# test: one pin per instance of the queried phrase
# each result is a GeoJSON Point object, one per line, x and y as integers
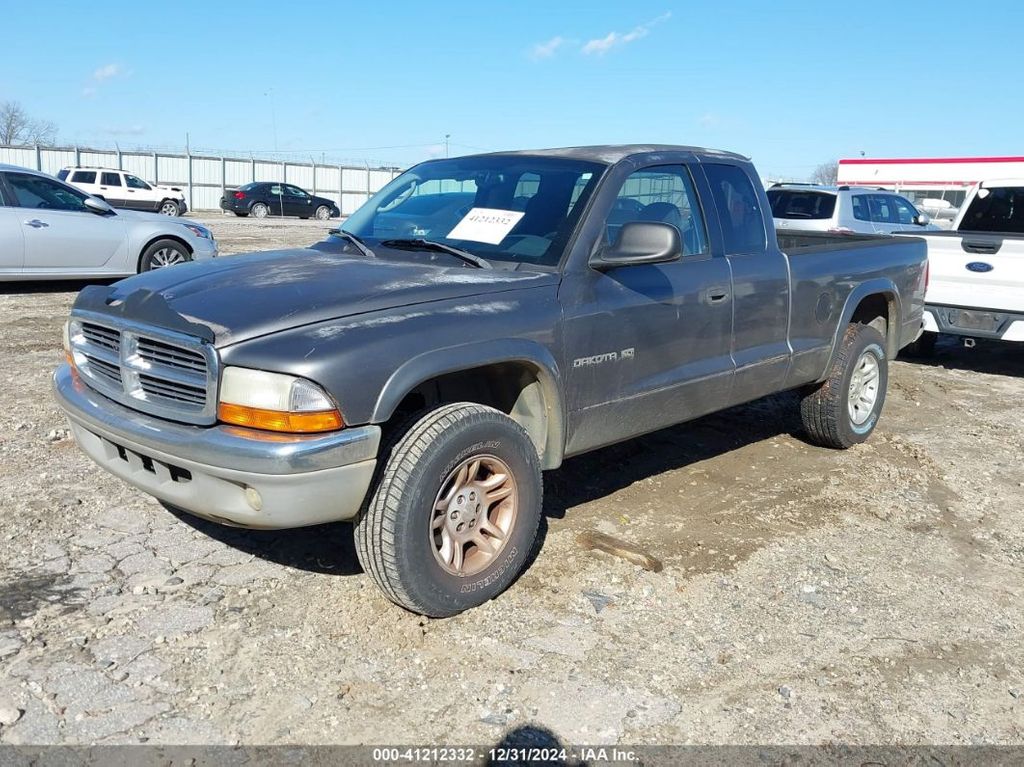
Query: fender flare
{"type": "Point", "coordinates": [879, 286]}
{"type": "Point", "coordinates": [432, 364]}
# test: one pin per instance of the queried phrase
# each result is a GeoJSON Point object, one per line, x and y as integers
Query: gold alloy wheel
{"type": "Point", "coordinates": [473, 515]}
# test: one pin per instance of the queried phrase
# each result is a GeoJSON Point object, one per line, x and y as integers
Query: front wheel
{"type": "Point", "coordinates": [163, 253]}
{"type": "Point", "coordinates": [323, 213]}
{"type": "Point", "coordinates": [455, 512]}
{"type": "Point", "coordinates": [843, 410]}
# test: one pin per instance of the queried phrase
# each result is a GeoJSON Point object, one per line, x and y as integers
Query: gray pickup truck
{"type": "Point", "coordinates": [478, 321]}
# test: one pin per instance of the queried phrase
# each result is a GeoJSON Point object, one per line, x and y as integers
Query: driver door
{"type": "Point", "coordinates": [648, 345]}
{"type": "Point", "coordinates": [60, 233]}
{"type": "Point", "coordinates": [297, 202]}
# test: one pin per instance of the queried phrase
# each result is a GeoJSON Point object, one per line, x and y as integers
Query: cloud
{"type": "Point", "coordinates": [547, 49]}
{"type": "Point", "coordinates": [709, 120]}
{"type": "Point", "coordinates": [127, 130]}
{"type": "Point", "coordinates": [102, 75]}
{"type": "Point", "coordinates": [106, 72]}
{"type": "Point", "coordinates": [599, 46]}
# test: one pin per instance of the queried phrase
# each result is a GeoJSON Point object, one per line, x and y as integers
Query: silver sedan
{"type": "Point", "coordinates": [50, 230]}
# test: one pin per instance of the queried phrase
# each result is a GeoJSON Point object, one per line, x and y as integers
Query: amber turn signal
{"type": "Point", "coordinates": [277, 420]}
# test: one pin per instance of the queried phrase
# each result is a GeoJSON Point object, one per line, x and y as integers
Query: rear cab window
{"type": "Point", "coordinates": [801, 204]}
{"type": "Point", "coordinates": [1000, 209]}
{"type": "Point", "coordinates": [739, 211]}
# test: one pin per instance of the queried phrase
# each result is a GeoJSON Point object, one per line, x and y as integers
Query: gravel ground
{"type": "Point", "coordinates": [808, 596]}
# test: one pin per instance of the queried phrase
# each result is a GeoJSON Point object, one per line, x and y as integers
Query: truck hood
{"type": "Point", "coordinates": [243, 297]}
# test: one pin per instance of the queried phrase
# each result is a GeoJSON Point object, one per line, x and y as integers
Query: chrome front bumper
{"type": "Point", "coordinates": [227, 474]}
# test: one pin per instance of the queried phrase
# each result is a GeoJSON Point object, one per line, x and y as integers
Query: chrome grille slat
{"type": "Point", "coordinates": [157, 371]}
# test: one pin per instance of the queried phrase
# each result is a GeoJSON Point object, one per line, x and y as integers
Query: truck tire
{"type": "Point", "coordinates": [924, 346]}
{"type": "Point", "coordinates": [454, 514]}
{"type": "Point", "coordinates": [843, 410]}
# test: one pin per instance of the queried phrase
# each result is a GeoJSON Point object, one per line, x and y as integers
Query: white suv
{"type": "Point", "coordinates": [123, 190]}
{"type": "Point", "coordinates": [844, 209]}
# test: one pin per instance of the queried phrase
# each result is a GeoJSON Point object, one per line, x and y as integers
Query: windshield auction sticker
{"type": "Point", "coordinates": [488, 225]}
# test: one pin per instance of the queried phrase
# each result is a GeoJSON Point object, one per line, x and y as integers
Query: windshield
{"type": "Point", "coordinates": [504, 208]}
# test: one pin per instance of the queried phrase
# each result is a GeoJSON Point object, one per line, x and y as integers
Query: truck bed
{"type": "Point", "coordinates": [796, 243]}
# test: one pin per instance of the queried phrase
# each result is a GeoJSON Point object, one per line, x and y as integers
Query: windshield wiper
{"type": "Point", "coordinates": [359, 244]}
{"type": "Point", "coordinates": [412, 242]}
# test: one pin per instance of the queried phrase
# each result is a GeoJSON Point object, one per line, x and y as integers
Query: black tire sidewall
{"type": "Point", "coordinates": [867, 339]}
{"type": "Point", "coordinates": [426, 582]}
{"type": "Point", "coordinates": [146, 260]}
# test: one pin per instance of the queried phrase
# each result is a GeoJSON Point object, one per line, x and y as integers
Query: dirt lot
{"type": "Point", "coordinates": [808, 596]}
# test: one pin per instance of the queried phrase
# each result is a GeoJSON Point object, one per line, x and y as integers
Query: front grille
{"type": "Point", "coordinates": [157, 352]}
{"type": "Point", "coordinates": [101, 336]}
{"type": "Point", "coordinates": [172, 391]}
{"type": "Point", "coordinates": [157, 371]}
{"type": "Point", "coordinates": [105, 369]}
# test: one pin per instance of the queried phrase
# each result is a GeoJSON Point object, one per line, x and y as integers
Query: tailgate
{"type": "Point", "coordinates": [976, 270]}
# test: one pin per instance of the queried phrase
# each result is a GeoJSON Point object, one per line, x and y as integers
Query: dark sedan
{"type": "Point", "coordinates": [270, 198]}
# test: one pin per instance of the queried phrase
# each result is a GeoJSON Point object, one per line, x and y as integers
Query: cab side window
{"type": "Point", "coordinates": [739, 209]}
{"type": "Point", "coordinates": [84, 177]}
{"type": "Point", "coordinates": [134, 182]}
{"type": "Point", "coordinates": [294, 191]}
{"type": "Point", "coordinates": [663, 194]}
{"type": "Point", "coordinates": [905, 212]}
{"type": "Point", "coordinates": [276, 190]}
{"type": "Point", "coordinates": [110, 179]}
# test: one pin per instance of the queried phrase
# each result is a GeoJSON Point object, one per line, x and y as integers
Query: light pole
{"type": "Point", "coordinates": [446, 137]}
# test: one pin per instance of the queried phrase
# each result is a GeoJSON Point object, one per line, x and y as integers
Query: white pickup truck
{"type": "Point", "coordinates": [976, 285]}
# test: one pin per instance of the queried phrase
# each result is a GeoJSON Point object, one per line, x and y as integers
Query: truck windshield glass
{"type": "Point", "coordinates": [504, 208]}
{"type": "Point", "coordinates": [1000, 210]}
{"type": "Point", "coordinates": [792, 203]}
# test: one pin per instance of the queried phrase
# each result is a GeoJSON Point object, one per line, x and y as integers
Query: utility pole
{"type": "Point", "coordinates": [446, 137]}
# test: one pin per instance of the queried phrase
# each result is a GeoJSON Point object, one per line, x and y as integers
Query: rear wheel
{"type": "Point", "coordinates": [843, 410]}
{"type": "Point", "coordinates": [163, 253]}
{"type": "Point", "coordinates": [454, 515]}
{"type": "Point", "coordinates": [170, 208]}
{"type": "Point", "coordinates": [260, 210]}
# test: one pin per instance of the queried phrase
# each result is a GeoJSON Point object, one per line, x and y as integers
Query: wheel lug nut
{"type": "Point", "coordinates": [455, 514]}
{"type": "Point", "coordinates": [461, 499]}
{"type": "Point", "coordinates": [472, 496]}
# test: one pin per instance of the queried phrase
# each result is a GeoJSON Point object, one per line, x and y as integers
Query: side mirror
{"type": "Point", "coordinates": [98, 206]}
{"type": "Point", "coordinates": [640, 242]}
{"type": "Point", "coordinates": [922, 219]}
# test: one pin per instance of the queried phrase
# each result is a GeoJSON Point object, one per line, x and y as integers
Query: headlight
{"type": "Point", "coordinates": [275, 402]}
{"type": "Point", "coordinates": [199, 231]}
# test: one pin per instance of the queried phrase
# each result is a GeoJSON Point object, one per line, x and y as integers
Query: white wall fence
{"type": "Point", "coordinates": [204, 179]}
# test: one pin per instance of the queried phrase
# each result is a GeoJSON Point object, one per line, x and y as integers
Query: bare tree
{"type": "Point", "coordinates": [827, 173]}
{"type": "Point", "coordinates": [16, 127]}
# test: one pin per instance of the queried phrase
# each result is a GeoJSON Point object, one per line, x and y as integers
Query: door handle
{"type": "Point", "coordinates": [35, 223]}
{"type": "Point", "coordinates": [981, 247]}
{"type": "Point", "coordinates": [717, 295]}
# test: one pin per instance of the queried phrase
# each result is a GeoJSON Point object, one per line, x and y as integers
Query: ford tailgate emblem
{"type": "Point", "coordinates": [979, 266]}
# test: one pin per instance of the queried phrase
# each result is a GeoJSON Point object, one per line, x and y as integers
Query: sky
{"type": "Point", "coordinates": [790, 84]}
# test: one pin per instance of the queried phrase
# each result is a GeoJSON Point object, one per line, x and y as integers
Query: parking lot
{"type": "Point", "coordinates": [807, 596]}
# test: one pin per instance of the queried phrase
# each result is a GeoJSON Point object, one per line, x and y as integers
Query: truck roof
{"type": "Point", "coordinates": [613, 153]}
